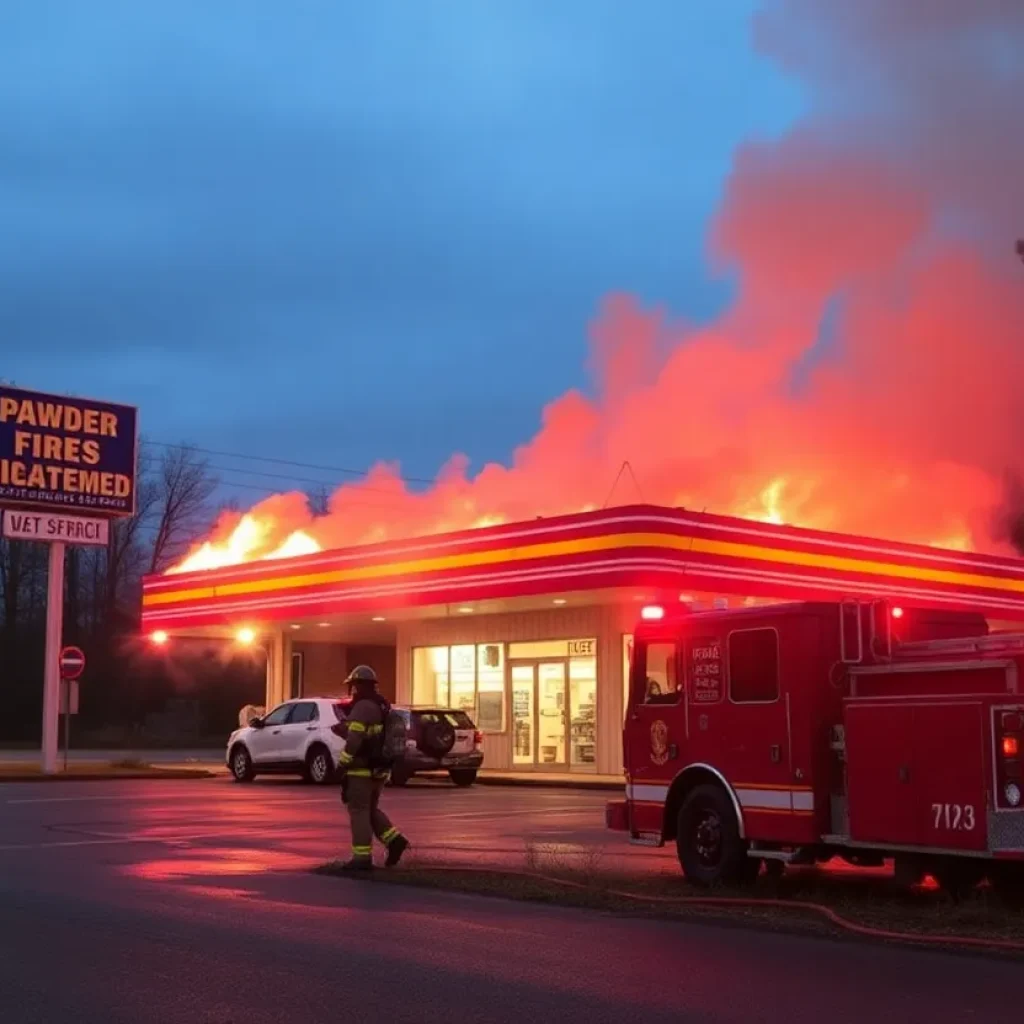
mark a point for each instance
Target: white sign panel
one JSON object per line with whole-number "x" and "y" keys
{"x": 49, "y": 526}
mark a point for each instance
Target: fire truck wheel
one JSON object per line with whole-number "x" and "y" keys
{"x": 708, "y": 841}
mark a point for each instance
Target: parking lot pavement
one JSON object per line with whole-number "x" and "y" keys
{"x": 284, "y": 822}
{"x": 201, "y": 887}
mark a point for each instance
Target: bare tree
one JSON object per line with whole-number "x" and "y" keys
{"x": 12, "y": 565}
{"x": 125, "y": 554}
{"x": 181, "y": 506}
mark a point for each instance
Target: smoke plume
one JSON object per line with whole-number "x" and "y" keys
{"x": 867, "y": 376}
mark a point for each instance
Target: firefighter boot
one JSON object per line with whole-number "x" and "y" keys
{"x": 361, "y": 860}
{"x": 397, "y": 846}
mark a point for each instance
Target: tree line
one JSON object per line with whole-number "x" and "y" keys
{"x": 130, "y": 694}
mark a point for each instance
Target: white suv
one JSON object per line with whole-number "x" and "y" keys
{"x": 299, "y": 737}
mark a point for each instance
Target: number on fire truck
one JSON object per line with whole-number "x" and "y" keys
{"x": 954, "y": 817}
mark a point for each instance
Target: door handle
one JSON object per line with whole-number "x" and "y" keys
{"x": 904, "y": 773}
{"x": 274, "y": 732}
{"x": 776, "y": 753}
{"x": 310, "y": 728}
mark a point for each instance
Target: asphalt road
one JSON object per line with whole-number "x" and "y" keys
{"x": 191, "y": 902}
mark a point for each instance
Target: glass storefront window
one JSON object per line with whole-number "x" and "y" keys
{"x": 430, "y": 677}
{"x": 490, "y": 684}
{"x": 554, "y": 703}
{"x": 583, "y": 711}
{"x": 463, "y": 679}
{"x": 467, "y": 677}
{"x": 542, "y": 649}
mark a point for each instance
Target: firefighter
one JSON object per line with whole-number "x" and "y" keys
{"x": 364, "y": 774}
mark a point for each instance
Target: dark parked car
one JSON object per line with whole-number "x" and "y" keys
{"x": 437, "y": 740}
{"x": 440, "y": 739}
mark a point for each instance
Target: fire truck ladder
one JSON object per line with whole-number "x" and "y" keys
{"x": 993, "y": 643}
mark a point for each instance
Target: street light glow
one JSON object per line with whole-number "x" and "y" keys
{"x": 159, "y": 638}
{"x": 245, "y": 636}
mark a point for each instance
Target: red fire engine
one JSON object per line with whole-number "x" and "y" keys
{"x": 794, "y": 733}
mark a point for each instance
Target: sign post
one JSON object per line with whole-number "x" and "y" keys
{"x": 51, "y": 672}
{"x": 72, "y": 665}
{"x": 67, "y": 466}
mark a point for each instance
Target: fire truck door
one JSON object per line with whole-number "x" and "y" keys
{"x": 753, "y": 729}
{"x": 654, "y": 732}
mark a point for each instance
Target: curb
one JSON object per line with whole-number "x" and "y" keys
{"x": 609, "y": 787}
{"x": 87, "y": 776}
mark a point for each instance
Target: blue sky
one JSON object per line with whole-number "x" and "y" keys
{"x": 338, "y": 232}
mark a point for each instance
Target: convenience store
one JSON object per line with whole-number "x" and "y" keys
{"x": 527, "y": 626}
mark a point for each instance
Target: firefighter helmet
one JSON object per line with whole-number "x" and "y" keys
{"x": 362, "y": 675}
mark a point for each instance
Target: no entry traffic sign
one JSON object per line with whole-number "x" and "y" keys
{"x": 72, "y": 662}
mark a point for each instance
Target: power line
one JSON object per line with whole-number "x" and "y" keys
{"x": 343, "y": 470}
{"x": 333, "y": 485}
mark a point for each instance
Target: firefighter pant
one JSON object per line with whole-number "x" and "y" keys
{"x": 365, "y": 816}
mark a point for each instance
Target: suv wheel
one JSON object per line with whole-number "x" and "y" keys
{"x": 241, "y": 765}
{"x": 463, "y": 776}
{"x": 319, "y": 769}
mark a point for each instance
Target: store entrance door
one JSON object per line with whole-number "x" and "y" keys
{"x": 539, "y": 714}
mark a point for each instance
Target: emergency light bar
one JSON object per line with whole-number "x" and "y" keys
{"x": 652, "y": 613}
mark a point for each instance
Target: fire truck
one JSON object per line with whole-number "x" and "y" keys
{"x": 795, "y": 733}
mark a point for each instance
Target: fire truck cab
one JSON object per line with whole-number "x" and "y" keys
{"x": 793, "y": 733}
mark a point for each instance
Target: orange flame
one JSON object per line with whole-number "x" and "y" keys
{"x": 247, "y": 542}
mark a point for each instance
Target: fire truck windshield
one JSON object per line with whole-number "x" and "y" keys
{"x": 661, "y": 674}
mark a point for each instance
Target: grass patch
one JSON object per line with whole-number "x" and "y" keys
{"x": 870, "y": 905}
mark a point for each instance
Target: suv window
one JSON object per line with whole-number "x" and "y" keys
{"x": 279, "y": 715}
{"x": 457, "y": 719}
{"x": 304, "y": 712}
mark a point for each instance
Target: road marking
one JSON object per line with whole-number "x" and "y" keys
{"x": 111, "y": 838}
{"x": 281, "y": 798}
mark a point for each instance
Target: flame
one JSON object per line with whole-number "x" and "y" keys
{"x": 902, "y": 423}
{"x": 298, "y": 543}
{"x": 247, "y": 542}
{"x": 778, "y": 502}
{"x": 768, "y": 509}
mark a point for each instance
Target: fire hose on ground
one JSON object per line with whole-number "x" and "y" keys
{"x": 831, "y": 916}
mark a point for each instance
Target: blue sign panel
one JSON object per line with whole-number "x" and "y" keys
{"x": 67, "y": 453}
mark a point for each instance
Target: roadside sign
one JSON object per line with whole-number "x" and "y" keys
{"x": 72, "y": 662}
{"x": 62, "y": 452}
{"x": 51, "y": 526}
